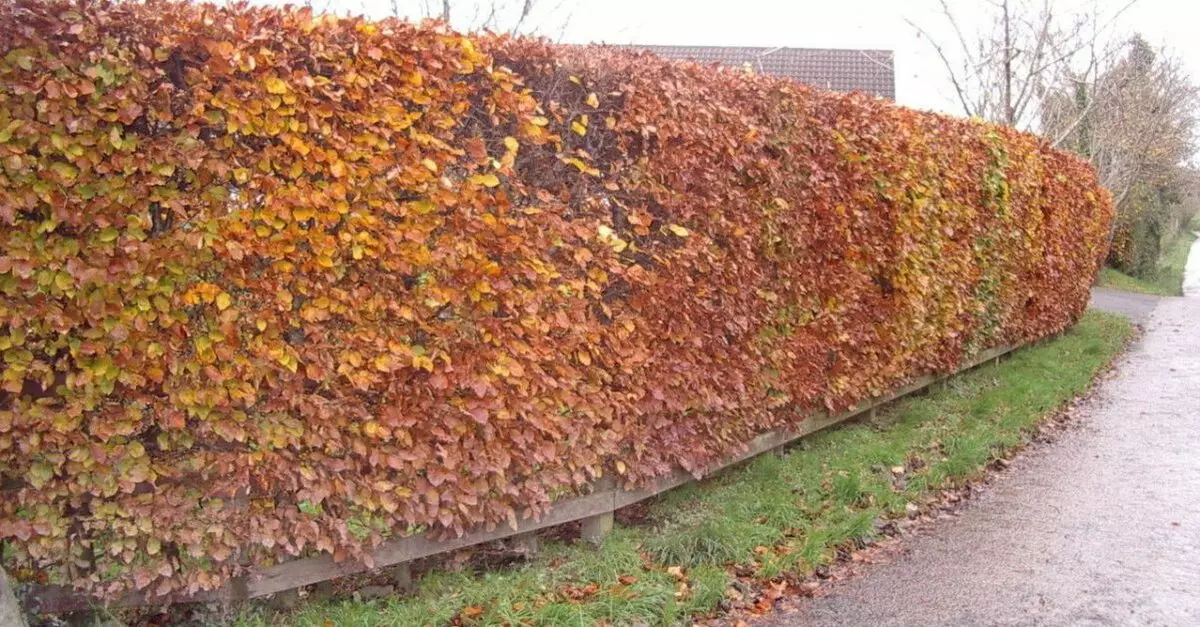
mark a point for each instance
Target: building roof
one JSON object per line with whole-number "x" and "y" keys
{"x": 870, "y": 71}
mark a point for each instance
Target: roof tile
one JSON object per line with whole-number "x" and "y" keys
{"x": 870, "y": 71}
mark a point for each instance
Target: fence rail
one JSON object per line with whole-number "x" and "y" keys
{"x": 594, "y": 509}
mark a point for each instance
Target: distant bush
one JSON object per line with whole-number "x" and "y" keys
{"x": 274, "y": 283}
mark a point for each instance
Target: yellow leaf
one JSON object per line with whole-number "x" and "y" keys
{"x": 338, "y": 169}
{"x": 325, "y": 260}
{"x": 487, "y": 180}
{"x": 679, "y": 230}
{"x": 511, "y": 144}
{"x": 430, "y": 164}
{"x": 584, "y": 358}
{"x": 620, "y": 466}
{"x": 223, "y": 301}
{"x": 593, "y": 101}
{"x": 261, "y": 324}
{"x": 284, "y": 298}
{"x": 578, "y": 128}
{"x": 65, "y": 170}
{"x": 275, "y": 86}
{"x": 540, "y": 121}
{"x": 581, "y": 166}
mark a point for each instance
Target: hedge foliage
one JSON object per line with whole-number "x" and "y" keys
{"x": 274, "y": 283}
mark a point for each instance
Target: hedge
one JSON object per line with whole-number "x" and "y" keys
{"x": 275, "y": 283}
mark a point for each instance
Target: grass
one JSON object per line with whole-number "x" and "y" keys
{"x": 778, "y": 515}
{"x": 1167, "y": 281}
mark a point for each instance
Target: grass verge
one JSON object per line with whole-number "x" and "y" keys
{"x": 1167, "y": 281}
{"x": 778, "y": 516}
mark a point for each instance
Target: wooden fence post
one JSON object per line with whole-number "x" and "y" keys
{"x": 528, "y": 544}
{"x": 10, "y": 609}
{"x": 596, "y": 528}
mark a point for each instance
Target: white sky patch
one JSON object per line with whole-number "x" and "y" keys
{"x": 920, "y": 78}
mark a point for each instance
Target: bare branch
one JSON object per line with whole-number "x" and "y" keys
{"x": 958, "y": 88}
{"x": 525, "y": 10}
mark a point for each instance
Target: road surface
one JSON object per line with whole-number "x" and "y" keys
{"x": 1135, "y": 306}
{"x": 1102, "y": 528}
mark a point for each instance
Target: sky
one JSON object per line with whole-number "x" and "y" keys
{"x": 921, "y": 80}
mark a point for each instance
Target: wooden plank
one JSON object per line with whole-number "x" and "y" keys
{"x": 310, "y": 570}
{"x": 606, "y": 498}
{"x": 55, "y": 599}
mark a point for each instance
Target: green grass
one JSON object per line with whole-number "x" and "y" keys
{"x": 1168, "y": 281}
{"x": 778, "y": 515}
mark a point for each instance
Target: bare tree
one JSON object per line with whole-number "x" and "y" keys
{"x": 511, "y": 16}
{"x": 1135, "y": 121}
{"x": 1001, "y": 70}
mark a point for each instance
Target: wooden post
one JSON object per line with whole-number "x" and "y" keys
{"x": 596, "y": 528}
{"x": 402, "y": 574}
{"x": 10, "y": 610}
{"x": 527, "y": 544}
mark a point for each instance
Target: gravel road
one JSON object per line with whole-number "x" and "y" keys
{"x": 1101, "y": 528}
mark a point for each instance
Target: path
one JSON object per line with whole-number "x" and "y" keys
{"x": 1103, "y": 528}
{"x": 1136, "y": 306}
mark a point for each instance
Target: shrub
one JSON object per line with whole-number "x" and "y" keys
{"x": 274, "y": 283}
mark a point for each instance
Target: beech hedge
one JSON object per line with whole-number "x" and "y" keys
{"x": 275, "y": 283}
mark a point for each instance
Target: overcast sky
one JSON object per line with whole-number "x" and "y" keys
{"x": 920, "y": 78}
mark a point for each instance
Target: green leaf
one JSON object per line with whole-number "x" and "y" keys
{"x": 40, "y": 473}
{"x": 65, "y": 170}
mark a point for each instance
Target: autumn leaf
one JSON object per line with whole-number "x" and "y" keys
{"x": 39, "y": 474}
{"x": 275, "y": 86}
{"x": 487, "y": 180}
